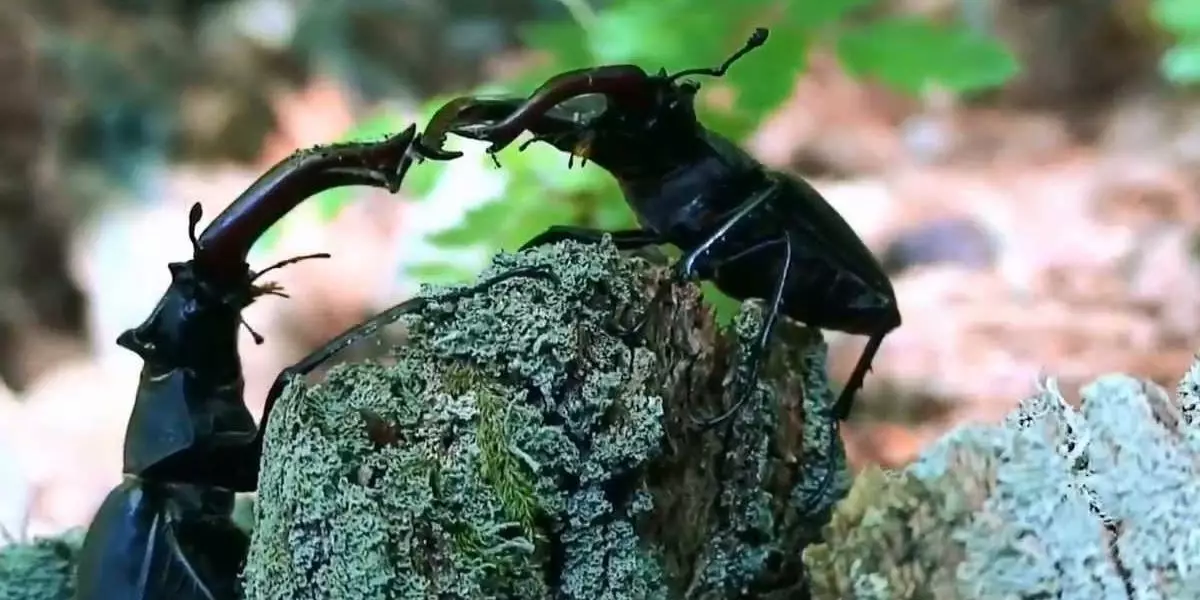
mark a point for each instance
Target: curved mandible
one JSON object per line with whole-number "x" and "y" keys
{"x": 226, "y": 241}
{"x": 627, "y": 86}
{"x": 448, "y": 117}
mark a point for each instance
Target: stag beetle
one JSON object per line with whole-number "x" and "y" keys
{"x": 191, "y": 443}
{"x": 753, "y": 232}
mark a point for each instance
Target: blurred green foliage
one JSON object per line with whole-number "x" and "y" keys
{"x": 1181, "y": 18}
{"x": 905, "y": 53}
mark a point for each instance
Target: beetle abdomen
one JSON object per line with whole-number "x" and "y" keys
{"x": 145, "y": 545}
{"x": 818, "y": 293}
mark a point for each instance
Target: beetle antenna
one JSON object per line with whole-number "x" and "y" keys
{"x": 271, "y": 288}
{"x": 254, "y": 335}
{"x": 194, "y": 216}
{"x": 289, "y": 261}
{"x": 758, "y": 38}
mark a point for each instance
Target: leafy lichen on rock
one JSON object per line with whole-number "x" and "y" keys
{"x": 40, "y": 569}
{"x": 533, "y": 451}
{"x": 1096, "y": 503}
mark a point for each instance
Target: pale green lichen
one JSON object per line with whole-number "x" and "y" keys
{"x": 1100, "y": 503}
{"x": 539, "y": 454}
{"x": 41, "y": 569}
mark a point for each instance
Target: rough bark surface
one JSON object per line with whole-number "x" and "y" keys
{"x": 517, "y": 445}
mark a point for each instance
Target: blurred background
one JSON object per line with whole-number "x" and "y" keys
{"x": 1026, "y": 169}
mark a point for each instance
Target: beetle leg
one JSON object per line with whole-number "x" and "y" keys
{"x": 758, "y": 353}
{"x": 690, "y": 266}
{"x": 387, "y": 317}
{"x": 841, "y": 408}
{"x": 686, "y": 268}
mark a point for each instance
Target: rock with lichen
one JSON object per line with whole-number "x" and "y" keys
{"x": 40, "y": 569}
{"x": 523, "y": 443}
{"x": 1092, "y": 503}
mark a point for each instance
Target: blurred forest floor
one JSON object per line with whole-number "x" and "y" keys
{"x": 1047, "y": 229}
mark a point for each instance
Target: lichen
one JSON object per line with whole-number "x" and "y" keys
{"x": 543, "y": 452}
{"x": 40, "y": 569}
{"x": 1096, "y": 503}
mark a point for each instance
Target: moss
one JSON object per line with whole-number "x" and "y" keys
{"x": 42, "y": 569}
{"x": 1100, "y": 502}
{"x": 539, "y": 453}
{"x": 502, "y": 465}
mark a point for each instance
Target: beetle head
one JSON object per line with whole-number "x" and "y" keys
{"x": 195, "y": 324}
{"x": 622, "y": 109}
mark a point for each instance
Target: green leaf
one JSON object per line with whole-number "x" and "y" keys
{"x": 477, "y": 225}
{"x": 611, "y": 212}
{"x": 667, "y": 34}
{"x": 506, "y": 224}
{"x": 1181, "y": 64}
{"x": 724, "y": 307}
{"x": 911, "y": 54}
{"x": 439, "y": 273}
{"x": 811, "y": 15}
{"x": 563, "y": 40}
{"x": 1177, "y": 16}
{"x": 634, "y": 32}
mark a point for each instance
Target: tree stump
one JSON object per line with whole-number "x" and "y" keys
{"x": 524, "y": 443}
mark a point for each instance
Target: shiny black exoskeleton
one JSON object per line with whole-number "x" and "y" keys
{"x": 755, "y": 233}
{"x": 165, "y": 533}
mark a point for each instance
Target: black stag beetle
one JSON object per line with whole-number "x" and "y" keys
{"x": 755, "y": 233}
{"x": 191, "y": 443}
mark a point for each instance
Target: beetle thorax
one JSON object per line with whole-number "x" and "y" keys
{"x": 701, "y": 185}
